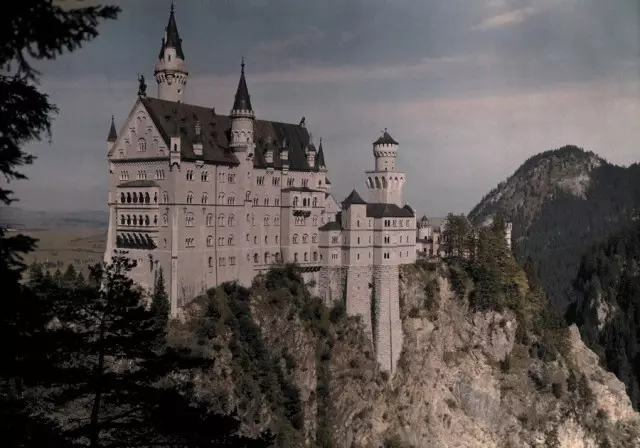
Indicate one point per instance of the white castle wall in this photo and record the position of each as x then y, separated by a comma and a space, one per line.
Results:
387, 326
358, 283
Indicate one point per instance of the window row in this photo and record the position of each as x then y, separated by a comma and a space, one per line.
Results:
266, 202
222, 261
305, 238
221, 241
305, 257
306, 202
395, 222
204, 177
142, 175
137, 198
138, 220
266, 239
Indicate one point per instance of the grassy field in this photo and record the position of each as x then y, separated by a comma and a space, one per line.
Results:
60, 247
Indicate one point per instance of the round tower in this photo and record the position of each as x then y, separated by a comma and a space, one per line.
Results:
385, 150
385, 183
170, 70
424, 228
242, 117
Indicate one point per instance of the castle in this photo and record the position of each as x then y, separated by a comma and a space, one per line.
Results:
210, 198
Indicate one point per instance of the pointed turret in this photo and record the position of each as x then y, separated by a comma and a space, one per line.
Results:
321, 164
171, 71
352, 199
242, 117
113, 135
242, 101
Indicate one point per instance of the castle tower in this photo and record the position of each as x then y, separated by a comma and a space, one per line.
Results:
113, 135
242, 117
384, 182
424, 228
170, 70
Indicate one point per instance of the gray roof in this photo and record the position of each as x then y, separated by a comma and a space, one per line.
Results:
353, 198
113, 134
321, 163
139, 183
242, 100
385, 139
173, 38
332, 225
302, 190
388, 211
216, 135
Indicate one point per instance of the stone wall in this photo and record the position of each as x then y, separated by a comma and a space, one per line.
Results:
359, 294
331, 285
388, 326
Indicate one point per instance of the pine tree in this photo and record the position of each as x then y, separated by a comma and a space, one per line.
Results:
70, 275
160, 306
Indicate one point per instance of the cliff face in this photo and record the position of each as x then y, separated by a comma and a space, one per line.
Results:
463, 380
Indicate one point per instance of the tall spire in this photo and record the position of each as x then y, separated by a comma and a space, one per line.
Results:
113, 135
321, 163
171, 35
242, 101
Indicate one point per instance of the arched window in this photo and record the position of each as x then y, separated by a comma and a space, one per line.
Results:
295, 257
135, 220
155, 220
304, 202
306, 256
140, 220
315, 220
314, 238
210, 262
266, 202
231, 200
255, 240
165, 220
190, 220
142, 145
209, 220
135, 198
122, 220
220, 198
190, 175
165, 197
295, 238
255, 200
122, 198
266, 258
209, 241
247, 196
315, 256
255, 258
248, 218
221, 220
276, 221
253, 220
204, 176
205, 198
128, 198
155, 197
140, 198
295, 201
230, 240
221, 241
305, 238
128, 220
230, 220
276, 202
146, 220
266, 239
189, 198
266, 220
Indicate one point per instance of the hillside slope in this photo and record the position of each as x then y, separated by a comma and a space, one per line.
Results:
560, 203
466, 378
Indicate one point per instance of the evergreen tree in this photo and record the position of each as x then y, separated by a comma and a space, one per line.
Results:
70, 275
160, 307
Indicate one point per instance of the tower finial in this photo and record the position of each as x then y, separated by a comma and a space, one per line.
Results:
242, 66
172, 7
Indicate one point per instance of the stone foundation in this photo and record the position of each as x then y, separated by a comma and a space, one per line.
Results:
388, 326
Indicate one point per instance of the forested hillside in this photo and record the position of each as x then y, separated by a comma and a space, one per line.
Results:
561, 202
608, 307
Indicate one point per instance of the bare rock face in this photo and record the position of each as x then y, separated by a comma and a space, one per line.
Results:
463, 380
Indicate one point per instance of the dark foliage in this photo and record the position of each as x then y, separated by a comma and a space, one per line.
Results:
609, 279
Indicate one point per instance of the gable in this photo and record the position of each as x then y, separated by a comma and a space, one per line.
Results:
139, 137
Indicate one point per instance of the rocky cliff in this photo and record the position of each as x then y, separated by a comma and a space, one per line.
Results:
465, 379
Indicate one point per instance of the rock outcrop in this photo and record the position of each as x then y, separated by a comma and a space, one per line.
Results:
463, 379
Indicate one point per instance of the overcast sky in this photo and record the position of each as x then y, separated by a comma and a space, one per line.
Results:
470, 88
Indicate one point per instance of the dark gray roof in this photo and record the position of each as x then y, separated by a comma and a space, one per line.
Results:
113, 135
424, 218
242, 100
216, 135
139, 183
302, 190
321, 163
385, 139
387, 211
333, 225
353, 198
173, 38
